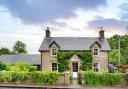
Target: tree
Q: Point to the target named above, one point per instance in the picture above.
(113, 41)
(113, 57)
(4, 51)
(19, 47)
(125, 56)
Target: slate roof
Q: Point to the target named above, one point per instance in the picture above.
(33, 59)
(74, 43)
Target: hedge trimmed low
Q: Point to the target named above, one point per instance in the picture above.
(101, 79)
(126, 77)
(36, 77)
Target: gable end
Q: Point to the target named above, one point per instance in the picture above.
(94, 44)
(54, 43)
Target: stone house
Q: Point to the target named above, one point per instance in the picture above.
(51, 45)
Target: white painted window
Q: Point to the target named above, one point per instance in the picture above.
(96, 66)
(95, 51)
(53, 51)
(54, 66)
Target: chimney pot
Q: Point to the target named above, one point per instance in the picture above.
(48, 33)
(101, 33)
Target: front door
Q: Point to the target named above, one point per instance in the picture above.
(75, 70)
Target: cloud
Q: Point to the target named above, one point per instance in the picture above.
(41, 11)
(109, 24)
(124, 11)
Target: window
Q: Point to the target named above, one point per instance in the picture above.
(96, 66)
(54, 66)
(95, 51)
(53, 52)
(75, 67)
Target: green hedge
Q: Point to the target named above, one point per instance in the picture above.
(126, 77)
(36, 77)
(45, 77)
(101, 79)
(11, 76)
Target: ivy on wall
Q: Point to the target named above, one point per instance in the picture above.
(64, 59)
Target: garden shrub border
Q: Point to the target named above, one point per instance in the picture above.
(91, 78)
(126, 77)
(36, 77)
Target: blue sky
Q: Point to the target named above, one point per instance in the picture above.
(64, 17)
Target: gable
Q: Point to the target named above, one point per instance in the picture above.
(95, 45)
(53, 45)
(75, 58)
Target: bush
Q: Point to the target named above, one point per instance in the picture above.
(46, 77)
(19, 77)
(12, 76)
(6, 76)
(36, 77)
(126, 77)
(2, 66)
(21, 66)
(99, 79)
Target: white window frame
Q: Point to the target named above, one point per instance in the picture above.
(97, 51)
(52, 52)
(55, 67)
(98, 66)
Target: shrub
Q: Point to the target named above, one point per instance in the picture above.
(2, 66)
(126, 77)
(19, 77)
(46, 77)
(12, 76)
(6, 76)
(98, 79)
(21, 66)
(36, 77)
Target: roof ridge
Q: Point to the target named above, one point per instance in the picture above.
(74, 37)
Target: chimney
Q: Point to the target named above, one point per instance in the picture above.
(101, 33)
(48, 33)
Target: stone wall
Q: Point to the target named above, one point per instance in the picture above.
(64, 79)
(46, 61)
(102, 58)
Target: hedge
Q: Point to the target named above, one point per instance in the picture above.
(126, 77)
(44, 77)
(101, 79)
(36, 77)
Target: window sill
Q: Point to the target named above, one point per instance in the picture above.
(54, 56)
(95, 55)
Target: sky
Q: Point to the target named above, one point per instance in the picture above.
(26, 20)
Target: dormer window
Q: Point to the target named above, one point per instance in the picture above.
(53, 51)
(95, 51)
